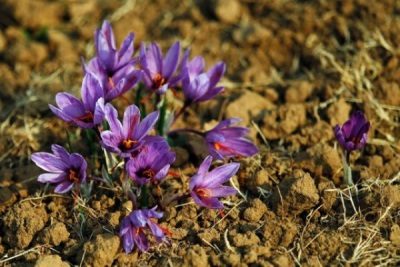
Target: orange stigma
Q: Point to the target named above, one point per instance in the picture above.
(128, 144)
(73, 176)
(158, 81)
(204, 192)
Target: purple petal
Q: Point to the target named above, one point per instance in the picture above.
(226, 123)
(60, 152)
(215, 73)
(162, 173)
(112, 118)
(64, 100)
(126, 50)
(171, 60)
(99, 114)
(156, 231)
(64, 187)
(141, 240)
(130, 121)
(49, 162)
(154, 59)
(222, 191)
(60, 114)
(52, 177)
(127, 236)
(211, 93)
(205, 166)
(146, 125)
(234, 132)
(220, 175)
(91, 91)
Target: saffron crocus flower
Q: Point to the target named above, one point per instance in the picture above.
(114, 68)
(353, 134)
(126, 137)
(197, 84)
(206, 187)
(151, 164)
(63, 168)
(158, 72)
(225, 141)
(133, 226)
(86, 113)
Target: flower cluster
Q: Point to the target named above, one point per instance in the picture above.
(131, 150)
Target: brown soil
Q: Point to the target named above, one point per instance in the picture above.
(294, 70)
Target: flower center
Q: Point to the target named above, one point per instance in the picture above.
(128, 144)
(86, 118)
(149, 173)
(355, 140)
(203, 192)
(73, 176)
(219, 146)
(158, 81)
(110, 80)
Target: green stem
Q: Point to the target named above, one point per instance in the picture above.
(144, 199)
(163, 112)
(348, 177)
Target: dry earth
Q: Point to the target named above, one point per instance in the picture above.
(294, 70)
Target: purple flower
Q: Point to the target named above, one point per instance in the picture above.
(126, 137)
(197, 84)
(64, 169)
(158, 71)
(133, 226)
(115, 69)
(206, 187)
(152, 164)
(353, 134)
(225, 141)
(86, 113)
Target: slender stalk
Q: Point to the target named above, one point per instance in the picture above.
(144, 198)
(348, 177)
(180, 112)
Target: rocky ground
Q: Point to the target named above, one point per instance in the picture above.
(295, 69)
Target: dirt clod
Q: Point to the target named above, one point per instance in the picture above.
(296, 193)
(54, 234)
(22, 222)
(100, 251)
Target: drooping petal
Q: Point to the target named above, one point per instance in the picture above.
(156, 231)
(141, 240)
(127, 236)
